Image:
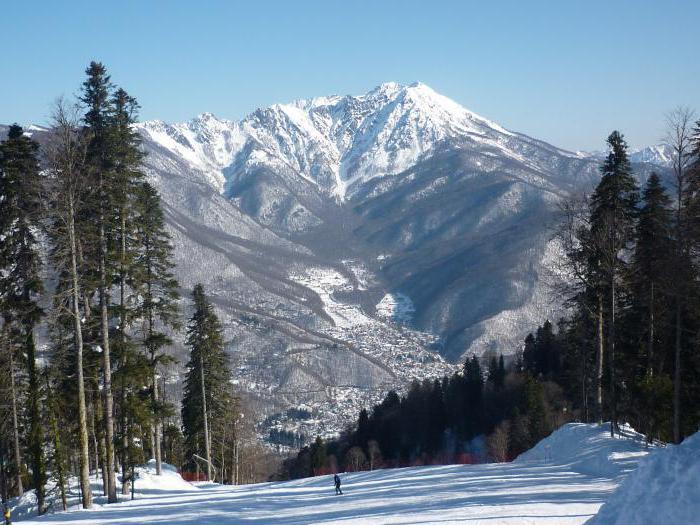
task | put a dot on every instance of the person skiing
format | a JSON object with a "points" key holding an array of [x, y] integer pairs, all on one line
{"points": [[336, 480]]}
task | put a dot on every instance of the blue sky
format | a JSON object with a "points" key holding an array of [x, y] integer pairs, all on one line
{"points": [[564, 71]]}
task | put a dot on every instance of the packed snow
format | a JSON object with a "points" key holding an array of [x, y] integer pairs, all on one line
{"points": [[589, 449], [664, 489], [564, 480]]}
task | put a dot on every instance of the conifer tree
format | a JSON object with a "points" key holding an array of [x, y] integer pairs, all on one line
{"points": [[207, 377], [613, 214], [125, 164], [95, 96], [20, 279], [156, 285], [497, 371], [649, 269], [473, 392]]}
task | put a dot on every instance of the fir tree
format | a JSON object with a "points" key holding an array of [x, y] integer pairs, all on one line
{"points": [[649, 269], [530, 355], [613, 214], [319, 456], [20, 279], [125, 174], [207, 377], [95, 96], [156, 285], [497, 371], [473, 392]]}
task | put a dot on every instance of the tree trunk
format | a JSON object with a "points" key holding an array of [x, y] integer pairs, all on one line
{"points": [[15, 428], [125, 453], [86, 493], [93, 432], [103, 464], [222, 463], [650, 350], [58, 453], [107, 366], [611, 357], [36, 434], [584, 385], [204, 414], [156, 427], [122, 337], [599, 361], [677, 377]]}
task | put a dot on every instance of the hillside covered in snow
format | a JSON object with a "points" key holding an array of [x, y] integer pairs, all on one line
{"points": [[352, 244], [564, 480]]}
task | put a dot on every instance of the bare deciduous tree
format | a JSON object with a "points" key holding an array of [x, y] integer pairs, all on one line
{"points": [[499, 442], [374, 453], [66, 154], [679, 123], [355, 459]]}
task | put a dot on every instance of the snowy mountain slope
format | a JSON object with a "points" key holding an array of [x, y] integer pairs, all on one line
{"points": [[296, 330], [301, 218], [539, 490], [659, 155], [400, 172], [299, 325]]}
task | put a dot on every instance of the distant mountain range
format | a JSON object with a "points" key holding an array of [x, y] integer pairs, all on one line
{"points": [[353, 243]]}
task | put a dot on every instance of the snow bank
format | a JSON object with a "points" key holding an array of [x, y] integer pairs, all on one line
{"points": [[147, 484], [589, 449], [169, 480], [665, 488]]}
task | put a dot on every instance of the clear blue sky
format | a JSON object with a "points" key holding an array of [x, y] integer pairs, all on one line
{"points": [[565, 71]]}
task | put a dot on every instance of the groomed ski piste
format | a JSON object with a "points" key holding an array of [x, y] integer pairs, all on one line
{"points": [[565, 479]]}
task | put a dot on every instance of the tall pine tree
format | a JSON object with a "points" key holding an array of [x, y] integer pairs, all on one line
{"points": [[207, 378], [20, 279], [157, 288], [95, 96], [613, 215]]}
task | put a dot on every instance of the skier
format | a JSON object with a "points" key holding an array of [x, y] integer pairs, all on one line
{"points": [[336, 480]]}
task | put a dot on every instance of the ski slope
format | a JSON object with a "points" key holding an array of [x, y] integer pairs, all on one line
{"points": [[564, 480]]}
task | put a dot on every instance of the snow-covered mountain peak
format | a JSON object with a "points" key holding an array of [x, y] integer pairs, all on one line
{"points": [[337, 143], [659, 154]]}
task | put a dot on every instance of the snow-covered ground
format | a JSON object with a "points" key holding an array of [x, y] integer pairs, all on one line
{"points": [[565, 479], [664, 489]]}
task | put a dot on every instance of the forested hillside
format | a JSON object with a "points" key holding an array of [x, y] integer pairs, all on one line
{"points": [[625, 352]]}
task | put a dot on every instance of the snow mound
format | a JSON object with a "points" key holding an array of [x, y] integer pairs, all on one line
{"points": [[665, 488], [590, 449], [169, 479], [147, 484]]}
